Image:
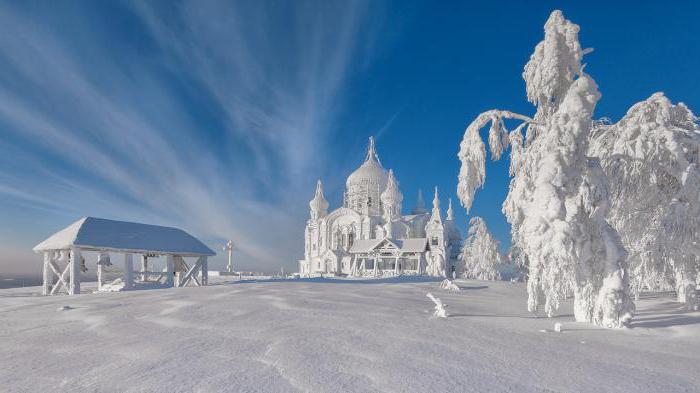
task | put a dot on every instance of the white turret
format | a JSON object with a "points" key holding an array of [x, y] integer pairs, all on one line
{"points": [[391, 204], [435, 232], [391, 199], [318, 205]]}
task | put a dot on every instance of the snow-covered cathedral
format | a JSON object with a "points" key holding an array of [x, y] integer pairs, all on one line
{"points": [[369, 235]]}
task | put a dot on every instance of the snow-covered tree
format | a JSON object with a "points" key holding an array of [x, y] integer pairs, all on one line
{"points": [[558, 197], [651, 158], [480, 254], [518, 260]]}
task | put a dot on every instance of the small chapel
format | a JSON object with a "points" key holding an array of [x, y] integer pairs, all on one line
{"points": [[369, 236]]}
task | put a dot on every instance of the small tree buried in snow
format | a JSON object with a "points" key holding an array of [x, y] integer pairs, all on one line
{"points": [[558, 197], [440, 307], [651, 158], [480, 254]]}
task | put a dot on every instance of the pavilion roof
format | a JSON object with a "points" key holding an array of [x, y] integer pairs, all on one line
{"points": [[99, 234]]}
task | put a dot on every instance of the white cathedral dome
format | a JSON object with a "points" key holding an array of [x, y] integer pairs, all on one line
{"points": [[370, 172]]}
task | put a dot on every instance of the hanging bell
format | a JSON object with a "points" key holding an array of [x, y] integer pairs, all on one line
{"points": [[103, 259], [63, 256]]}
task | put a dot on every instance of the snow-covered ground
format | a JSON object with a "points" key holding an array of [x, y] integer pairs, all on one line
{"points": [[336, 336]]}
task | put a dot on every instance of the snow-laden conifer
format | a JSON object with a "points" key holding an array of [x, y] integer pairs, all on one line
{"points": [[651, 159], [558, 197], [480, 254]]}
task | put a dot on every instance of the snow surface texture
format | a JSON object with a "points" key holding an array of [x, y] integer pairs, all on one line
{"points": [[335, 336], [558, 197], [480, 255], [651, 158]]}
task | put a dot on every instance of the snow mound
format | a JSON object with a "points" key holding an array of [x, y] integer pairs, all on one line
{"points": [[114, 286], [448, 285]]}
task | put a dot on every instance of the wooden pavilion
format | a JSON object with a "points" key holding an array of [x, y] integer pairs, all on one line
{"points": [[63, 252]]}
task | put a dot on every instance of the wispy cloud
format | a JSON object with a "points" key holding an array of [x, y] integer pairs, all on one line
{"points": [[387, 125], [213, 118]]}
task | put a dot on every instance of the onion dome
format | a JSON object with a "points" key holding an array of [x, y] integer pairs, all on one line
{"points": [[370, 172], [318, 205]]}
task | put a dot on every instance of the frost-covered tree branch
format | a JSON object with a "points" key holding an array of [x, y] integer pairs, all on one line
{"points": [[472, 152]]}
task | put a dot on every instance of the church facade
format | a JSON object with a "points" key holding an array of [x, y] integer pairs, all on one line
{"points": [[370, 236]]}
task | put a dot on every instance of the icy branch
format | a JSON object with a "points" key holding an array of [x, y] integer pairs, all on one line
{"points": [[472, 152]]}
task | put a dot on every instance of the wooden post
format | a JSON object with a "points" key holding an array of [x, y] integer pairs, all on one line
{"points": [[99, 276], [144, 268], [205, 272], [169, 270], [74, 285], [128, 271], [48, 274]]}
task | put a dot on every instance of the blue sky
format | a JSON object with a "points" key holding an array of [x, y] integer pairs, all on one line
{"points": [[218, 117]]}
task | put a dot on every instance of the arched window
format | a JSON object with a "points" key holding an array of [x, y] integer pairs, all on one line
{"points": [[434, 241]]}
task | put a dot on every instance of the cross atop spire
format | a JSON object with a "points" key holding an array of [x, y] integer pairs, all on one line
{"points": [[372, 152], [436, 199], [450, 212]]}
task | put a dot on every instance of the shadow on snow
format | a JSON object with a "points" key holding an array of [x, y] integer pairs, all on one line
{"points": [[385, 280]]}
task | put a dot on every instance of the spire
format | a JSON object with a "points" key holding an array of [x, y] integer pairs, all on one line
{"points": [[450, 212], [436, 208], [391, 198], [318, 205], [420, 204], [372, 152], [436, 200]]}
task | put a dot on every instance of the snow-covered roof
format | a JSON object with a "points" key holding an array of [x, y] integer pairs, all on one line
{"points": [[364, 245], [412, 245], [405, 245], [101, 234]]}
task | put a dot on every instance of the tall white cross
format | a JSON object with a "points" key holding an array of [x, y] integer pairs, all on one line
{"points": [[229, 247]]}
